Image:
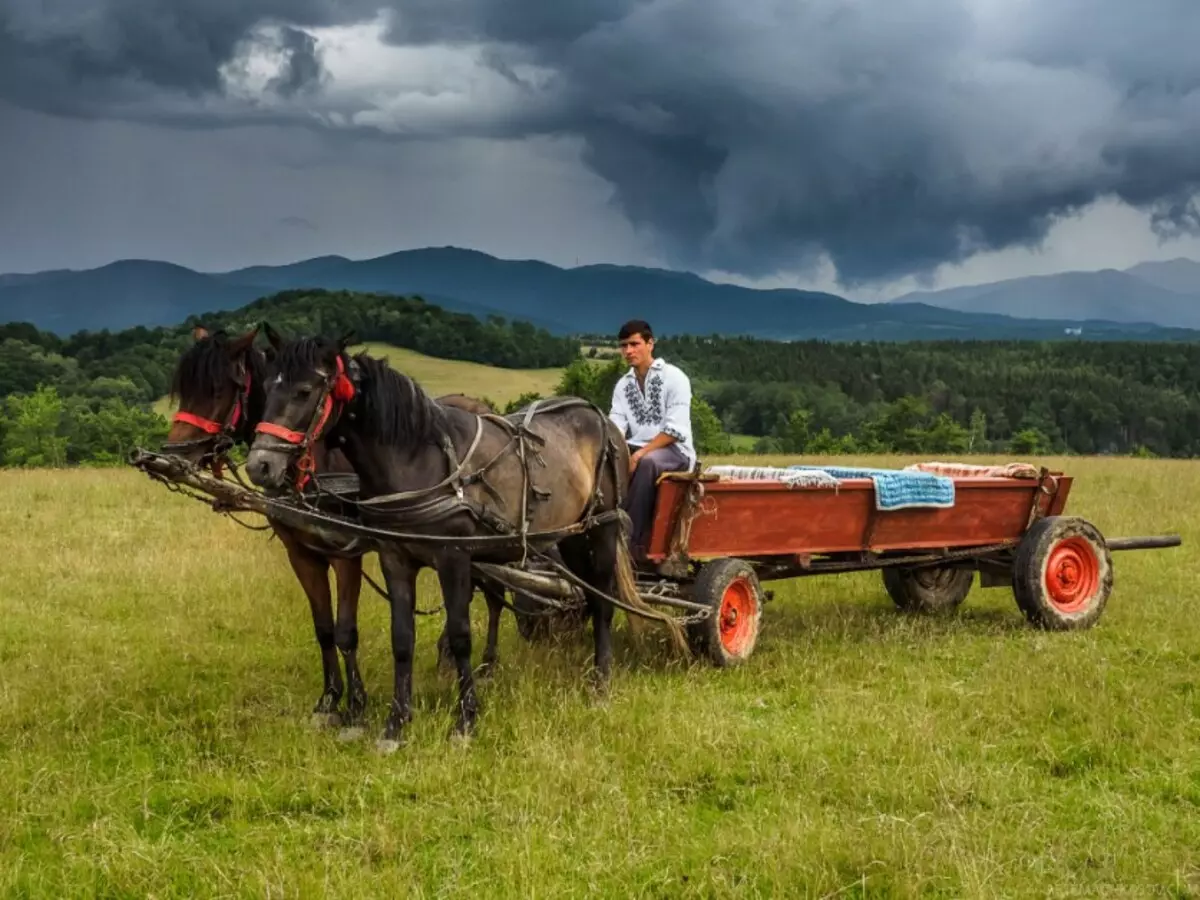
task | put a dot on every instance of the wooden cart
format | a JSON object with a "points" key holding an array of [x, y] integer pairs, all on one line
{"points": [[716, 541]]}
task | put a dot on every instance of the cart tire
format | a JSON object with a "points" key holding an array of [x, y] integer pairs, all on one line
{"points": [[730, 588], [1062, 574], [534, 625], [928, 589]]}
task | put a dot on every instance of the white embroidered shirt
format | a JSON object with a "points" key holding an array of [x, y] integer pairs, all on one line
{"points": [[665, 406]]}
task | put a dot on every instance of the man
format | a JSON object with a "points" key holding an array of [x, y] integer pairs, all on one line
{"points": [[652, 404]]}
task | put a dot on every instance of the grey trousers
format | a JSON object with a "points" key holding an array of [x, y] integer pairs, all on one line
{"points": [[639, 501]]}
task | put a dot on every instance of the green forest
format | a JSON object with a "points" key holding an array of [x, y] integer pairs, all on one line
{"points": [[87, 399]]}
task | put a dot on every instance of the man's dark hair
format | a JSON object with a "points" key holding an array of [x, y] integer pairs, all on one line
{"points": [[635, 327]]}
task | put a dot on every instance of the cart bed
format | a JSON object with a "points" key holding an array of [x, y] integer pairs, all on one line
{"points": [[750, 518]]}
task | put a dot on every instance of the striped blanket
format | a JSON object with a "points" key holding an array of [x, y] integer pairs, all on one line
{"points": [[790, 477], [973, 470]]}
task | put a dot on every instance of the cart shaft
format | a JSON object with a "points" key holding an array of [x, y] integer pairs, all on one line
{"points": [[1145, 543]]}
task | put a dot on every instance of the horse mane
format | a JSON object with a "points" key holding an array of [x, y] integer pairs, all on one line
{"points": [[395, 410], [204, 369]]}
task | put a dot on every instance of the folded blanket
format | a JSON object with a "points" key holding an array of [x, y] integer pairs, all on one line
{"points": [[792, 478], [972, 470], [898, 488]]}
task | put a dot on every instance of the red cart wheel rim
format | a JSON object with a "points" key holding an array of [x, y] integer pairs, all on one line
{"points": [[1072, 574], [738, 609]]}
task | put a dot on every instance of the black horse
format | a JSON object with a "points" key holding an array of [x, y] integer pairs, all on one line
{"points": [[447, 475], [220, 386]]}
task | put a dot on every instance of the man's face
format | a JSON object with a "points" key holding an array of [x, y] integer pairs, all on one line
{"points": [[637, 351]]}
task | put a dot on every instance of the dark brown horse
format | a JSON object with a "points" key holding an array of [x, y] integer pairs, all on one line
{"points": [[448, 475], [219, 383]]}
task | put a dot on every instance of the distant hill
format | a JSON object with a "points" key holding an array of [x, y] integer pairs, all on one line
{"points": [[586, 299], [1180, 275], [117, 296], [1164, 293]]}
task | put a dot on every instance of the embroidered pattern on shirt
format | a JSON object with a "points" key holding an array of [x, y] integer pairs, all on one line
{"points": [[646, 410]]}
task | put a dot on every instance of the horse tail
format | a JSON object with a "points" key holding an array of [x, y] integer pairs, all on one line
{"points": [[628, 593]]}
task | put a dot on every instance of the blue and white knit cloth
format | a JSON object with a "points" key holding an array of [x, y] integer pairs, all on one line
{"points": [[898, 489]]}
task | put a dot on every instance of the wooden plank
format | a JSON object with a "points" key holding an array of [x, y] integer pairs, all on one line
{"points": [[762, 518]]}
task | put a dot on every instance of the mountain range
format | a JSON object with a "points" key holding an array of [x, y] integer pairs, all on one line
{"points": [[1165, 293], [1148, 302]]}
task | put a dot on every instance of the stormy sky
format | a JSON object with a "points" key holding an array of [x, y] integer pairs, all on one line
{"points": [[862, 145]]}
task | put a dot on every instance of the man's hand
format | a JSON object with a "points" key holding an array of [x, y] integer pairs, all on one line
{"points": [[658, 441]]}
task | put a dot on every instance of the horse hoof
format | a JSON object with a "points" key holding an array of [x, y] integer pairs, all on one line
{"points": [[460, 738], [387, 746], [321, 721], [346, 735], [598, 690]]}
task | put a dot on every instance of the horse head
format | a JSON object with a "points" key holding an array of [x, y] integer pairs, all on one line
{"points": [[214, 384], [310, 385]]}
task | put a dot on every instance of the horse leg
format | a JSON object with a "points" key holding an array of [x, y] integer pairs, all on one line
{"points": [[400, 574], [454, 574], [349, 588], [593, 557], [495, 604], [312, 572], [445, 659]]}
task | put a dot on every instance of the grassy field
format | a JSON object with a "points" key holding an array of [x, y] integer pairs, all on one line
{"points": [[159, 668], [449, 376]]}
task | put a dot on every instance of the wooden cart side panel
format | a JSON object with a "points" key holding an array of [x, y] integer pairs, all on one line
{"points": [[750, 519]]}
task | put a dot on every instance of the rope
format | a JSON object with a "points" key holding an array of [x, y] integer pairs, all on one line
{"points": [[384, 594]]}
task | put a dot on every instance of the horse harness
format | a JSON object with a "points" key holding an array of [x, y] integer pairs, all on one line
{"points": [[447, 498]]}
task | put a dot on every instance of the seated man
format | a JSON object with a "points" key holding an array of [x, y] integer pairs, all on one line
{"points": [[652, 404]]}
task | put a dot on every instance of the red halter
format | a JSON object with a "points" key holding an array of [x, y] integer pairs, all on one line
{"points": [[211, 426], [341, 393]]}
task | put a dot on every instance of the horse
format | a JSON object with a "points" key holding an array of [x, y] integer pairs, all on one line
{"points": [[552, 473], [219, 384]]}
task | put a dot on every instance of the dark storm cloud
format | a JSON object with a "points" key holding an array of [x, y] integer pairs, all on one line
{"points": [[752, 135], [526, 22], [78, 56]]}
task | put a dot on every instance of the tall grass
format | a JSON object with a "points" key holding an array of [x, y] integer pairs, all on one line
{"points": [[159, 668]]}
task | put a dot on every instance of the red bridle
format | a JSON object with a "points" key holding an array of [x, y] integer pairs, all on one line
{"points": [[340, 394], [213, 427]]}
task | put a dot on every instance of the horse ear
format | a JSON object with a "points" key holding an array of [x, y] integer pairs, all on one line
{"points": [[272, 336], [240, 345], [199, 333], [345, 341]]}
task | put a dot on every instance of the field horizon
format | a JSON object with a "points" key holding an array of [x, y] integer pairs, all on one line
{"points": [[161, 669]]}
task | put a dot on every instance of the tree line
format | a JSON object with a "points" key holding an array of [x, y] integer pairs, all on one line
{"points": [[951, 396], [88, 398]]}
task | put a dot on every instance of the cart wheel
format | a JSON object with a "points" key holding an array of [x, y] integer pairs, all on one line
{"points": [[534, 625], [928, 589], [731, 590], [1062, 575]]}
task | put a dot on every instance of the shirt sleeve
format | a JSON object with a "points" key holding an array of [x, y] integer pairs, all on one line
{"points": [[677, 406], [617, 411]]}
